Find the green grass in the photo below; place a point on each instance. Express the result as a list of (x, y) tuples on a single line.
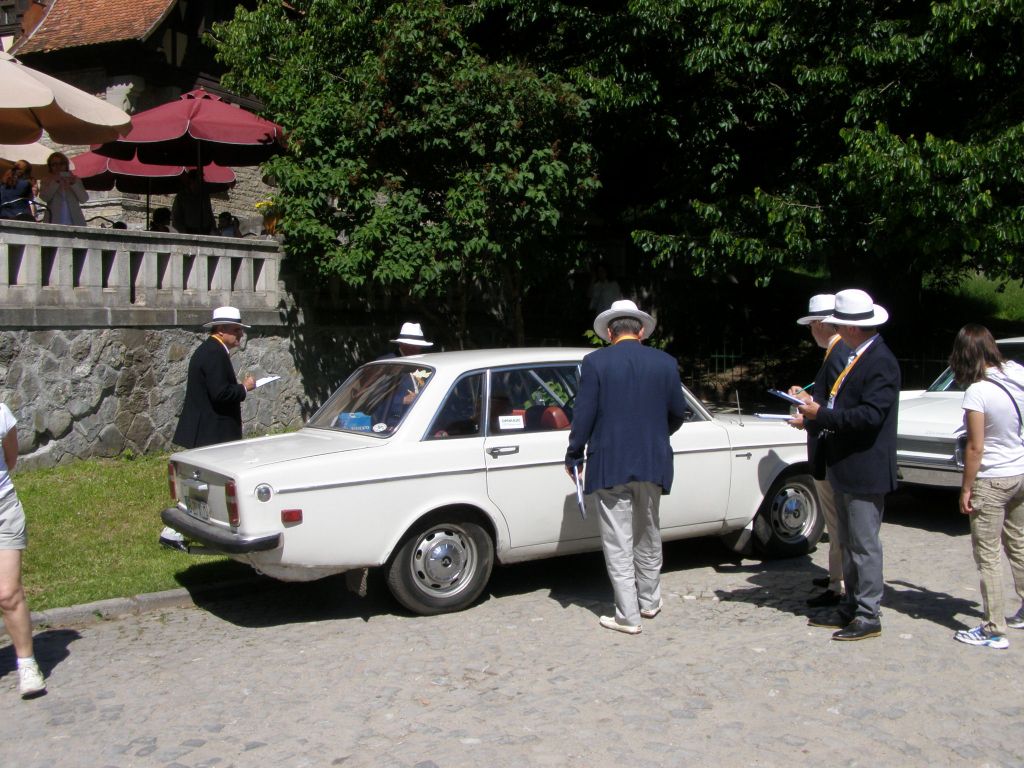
[(92, 534), (1005, 300)]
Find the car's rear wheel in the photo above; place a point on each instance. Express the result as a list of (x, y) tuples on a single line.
[(789, 522), (441, 566)]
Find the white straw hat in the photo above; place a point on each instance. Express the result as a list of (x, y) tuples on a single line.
[(856, 307), (622, 308), (818, 308), (412, 334), (226, 316)]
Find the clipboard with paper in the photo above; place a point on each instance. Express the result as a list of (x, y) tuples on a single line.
[(579, 491)]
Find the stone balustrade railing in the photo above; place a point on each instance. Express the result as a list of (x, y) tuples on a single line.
[(61, 276)]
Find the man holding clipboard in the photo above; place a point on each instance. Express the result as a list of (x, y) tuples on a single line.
[(860, 458), (630, 400), (836, 354)]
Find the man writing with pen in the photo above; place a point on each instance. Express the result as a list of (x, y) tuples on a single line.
[(836, 354)]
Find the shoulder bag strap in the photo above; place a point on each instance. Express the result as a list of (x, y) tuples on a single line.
[(1020, 421)]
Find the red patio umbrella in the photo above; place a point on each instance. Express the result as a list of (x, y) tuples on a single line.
[(104, 173), (197, 129)]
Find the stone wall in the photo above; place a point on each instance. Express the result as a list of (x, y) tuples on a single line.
[(81, 393)]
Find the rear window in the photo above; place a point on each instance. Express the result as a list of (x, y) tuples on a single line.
[(375, 399)]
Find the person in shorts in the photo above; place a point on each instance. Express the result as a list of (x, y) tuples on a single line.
[(17, 618)]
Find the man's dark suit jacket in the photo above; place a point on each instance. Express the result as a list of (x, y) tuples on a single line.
[(860, 449), (630, 401), (827, 375), (213, 399)]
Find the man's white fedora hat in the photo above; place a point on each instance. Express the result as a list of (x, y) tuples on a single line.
[(412, 334), (622, 308), (818, 308), (856, 307), (226, 316)]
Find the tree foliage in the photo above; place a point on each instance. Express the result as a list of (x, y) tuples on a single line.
[(856, 137), (877, 141), (416, 163)]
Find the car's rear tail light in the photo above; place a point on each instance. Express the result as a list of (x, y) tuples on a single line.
[(291, 516), (232, 503), (170, 480)]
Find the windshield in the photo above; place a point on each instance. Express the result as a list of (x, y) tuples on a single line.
[(374, 399), (945, 382)]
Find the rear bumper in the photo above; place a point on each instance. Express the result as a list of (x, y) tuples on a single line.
[(213, 538)]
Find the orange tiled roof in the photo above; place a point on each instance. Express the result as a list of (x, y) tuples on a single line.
[(71, 23)]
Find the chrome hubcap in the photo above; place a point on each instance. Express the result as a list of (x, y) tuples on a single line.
[(792, 512), (443, 561)]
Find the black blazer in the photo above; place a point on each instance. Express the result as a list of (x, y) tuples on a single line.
[(212, 412), (860, 447), (630, 400), (830, 369)]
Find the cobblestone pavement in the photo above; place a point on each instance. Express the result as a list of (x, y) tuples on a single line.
[(729, 674)]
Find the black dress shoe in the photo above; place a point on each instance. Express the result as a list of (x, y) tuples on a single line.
[(830, 620), (822, 581), (859, 629), (826, 599)]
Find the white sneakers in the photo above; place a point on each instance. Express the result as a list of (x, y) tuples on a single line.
[(30, 679)]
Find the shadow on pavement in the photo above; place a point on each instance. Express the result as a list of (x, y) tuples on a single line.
[(918, 602), (929, 509), (256, 601), (785, 586), (50, 646), (583, 581), (269, 603), (572, 580)]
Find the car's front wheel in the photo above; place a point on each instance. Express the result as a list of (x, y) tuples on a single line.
[(441, 566), (789, 522)]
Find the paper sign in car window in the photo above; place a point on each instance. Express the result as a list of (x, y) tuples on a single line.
[(511, 421)]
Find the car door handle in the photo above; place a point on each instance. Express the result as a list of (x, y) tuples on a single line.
[(504, 450), (746, 455)]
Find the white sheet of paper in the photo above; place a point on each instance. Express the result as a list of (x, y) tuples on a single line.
[(774, 416), (266, 380), (579, 492)]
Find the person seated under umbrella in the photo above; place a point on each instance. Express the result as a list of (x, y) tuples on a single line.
[(192, 212)]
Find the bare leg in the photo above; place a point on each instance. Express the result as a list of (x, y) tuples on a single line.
[(17, 618)]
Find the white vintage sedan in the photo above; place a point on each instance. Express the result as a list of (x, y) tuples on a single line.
[(928, 422), (436, 465)]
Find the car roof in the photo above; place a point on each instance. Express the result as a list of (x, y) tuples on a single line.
[(488, 358)]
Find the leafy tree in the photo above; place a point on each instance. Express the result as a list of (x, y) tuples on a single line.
[(416, 165), (878, 141), (440, 148)]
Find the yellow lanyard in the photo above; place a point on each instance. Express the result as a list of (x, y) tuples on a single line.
[(835, 340), (839, 380)]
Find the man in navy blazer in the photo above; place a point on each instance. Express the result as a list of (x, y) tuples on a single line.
[(629, 401), (212, 412), (858, 424)]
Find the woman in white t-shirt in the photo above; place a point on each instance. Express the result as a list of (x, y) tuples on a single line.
[(17, 618), (992, 490)]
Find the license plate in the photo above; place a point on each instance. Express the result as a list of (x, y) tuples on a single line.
[(198, 508)]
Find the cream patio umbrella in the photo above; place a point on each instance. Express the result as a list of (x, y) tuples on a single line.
[(31, 102), (37, 154)]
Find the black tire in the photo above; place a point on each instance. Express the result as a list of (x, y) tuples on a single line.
[(789, 522), (442, 566)]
